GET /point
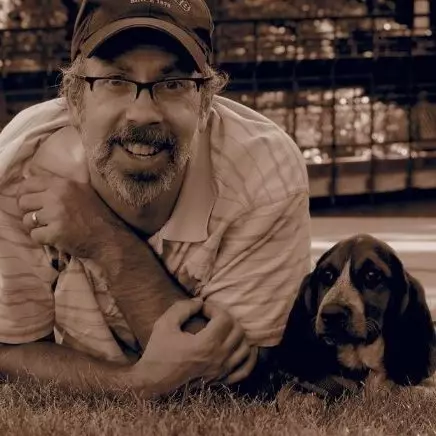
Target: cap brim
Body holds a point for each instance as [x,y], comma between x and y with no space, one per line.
[102,35]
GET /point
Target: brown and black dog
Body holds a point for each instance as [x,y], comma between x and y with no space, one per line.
[358,312]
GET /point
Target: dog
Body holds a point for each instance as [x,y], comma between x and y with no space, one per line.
[358,313]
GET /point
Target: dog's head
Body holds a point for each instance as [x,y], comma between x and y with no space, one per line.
[354,285]
[359,292]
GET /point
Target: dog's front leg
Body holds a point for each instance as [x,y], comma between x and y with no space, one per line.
[376,384]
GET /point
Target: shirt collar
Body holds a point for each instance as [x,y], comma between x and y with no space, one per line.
[190,218]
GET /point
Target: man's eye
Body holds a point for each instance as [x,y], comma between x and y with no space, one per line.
[115,83]
[175,85]
[328,277]
[373,278]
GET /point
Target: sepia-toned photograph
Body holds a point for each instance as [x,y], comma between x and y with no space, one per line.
[217,217]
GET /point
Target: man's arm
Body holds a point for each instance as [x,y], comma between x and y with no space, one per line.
[172,358]
[143,289]
[48,362]
[140,283]
[74,219]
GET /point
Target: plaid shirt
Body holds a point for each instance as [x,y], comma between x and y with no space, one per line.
[239,235]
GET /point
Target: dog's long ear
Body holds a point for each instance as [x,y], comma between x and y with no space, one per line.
[301,353]
[410,341]
[300,321]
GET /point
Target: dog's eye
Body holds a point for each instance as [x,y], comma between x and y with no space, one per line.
[328,277]
[373,278]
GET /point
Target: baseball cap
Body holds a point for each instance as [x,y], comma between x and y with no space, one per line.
[188,21]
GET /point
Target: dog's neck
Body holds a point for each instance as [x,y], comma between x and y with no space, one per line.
[362,357]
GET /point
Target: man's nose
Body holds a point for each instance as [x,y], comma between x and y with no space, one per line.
[144,110]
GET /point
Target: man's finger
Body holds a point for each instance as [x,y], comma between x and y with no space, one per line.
[31,202]
[42,235]
[33,184]
[238,357]
[29,223]
[219,326]
[234,339]
[244,370]
[179,313]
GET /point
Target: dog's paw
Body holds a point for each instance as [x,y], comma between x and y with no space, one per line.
[377,385]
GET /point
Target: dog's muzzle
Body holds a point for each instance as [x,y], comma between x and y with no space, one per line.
[335,325]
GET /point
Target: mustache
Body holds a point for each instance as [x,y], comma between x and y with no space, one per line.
[156,137]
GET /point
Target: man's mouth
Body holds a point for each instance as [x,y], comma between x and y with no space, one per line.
[141,150]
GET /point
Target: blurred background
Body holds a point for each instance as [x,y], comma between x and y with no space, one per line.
[352,81]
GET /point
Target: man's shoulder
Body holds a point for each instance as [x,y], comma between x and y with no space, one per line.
[20,139]
[33,116]
[254,155]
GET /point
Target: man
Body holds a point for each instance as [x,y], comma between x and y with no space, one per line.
[160,192]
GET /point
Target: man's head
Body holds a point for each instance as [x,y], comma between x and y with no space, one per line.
[137,90]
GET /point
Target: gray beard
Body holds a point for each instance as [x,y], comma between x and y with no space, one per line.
[137,190]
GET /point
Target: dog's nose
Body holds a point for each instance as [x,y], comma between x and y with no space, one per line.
[334,315]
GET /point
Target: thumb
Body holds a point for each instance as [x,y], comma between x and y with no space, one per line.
[181,311]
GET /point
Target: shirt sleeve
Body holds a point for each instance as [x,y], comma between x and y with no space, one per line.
[26,273]
[263,258]
[20,138]
[26,277]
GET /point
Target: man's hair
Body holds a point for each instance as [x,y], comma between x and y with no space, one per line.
[72,87]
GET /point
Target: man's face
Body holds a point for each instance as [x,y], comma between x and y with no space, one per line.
[139,147]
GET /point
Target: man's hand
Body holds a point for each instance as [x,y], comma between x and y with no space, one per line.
[71,216]
[174,357]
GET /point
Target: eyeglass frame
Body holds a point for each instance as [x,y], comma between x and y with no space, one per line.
[140,86]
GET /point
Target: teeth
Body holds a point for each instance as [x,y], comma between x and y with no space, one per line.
[141,150]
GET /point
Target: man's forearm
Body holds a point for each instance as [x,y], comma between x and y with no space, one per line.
[51,363]
[140,284]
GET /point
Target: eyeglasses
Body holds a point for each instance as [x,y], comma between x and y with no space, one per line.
[161,91]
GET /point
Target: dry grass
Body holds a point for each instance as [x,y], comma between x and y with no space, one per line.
[31,410]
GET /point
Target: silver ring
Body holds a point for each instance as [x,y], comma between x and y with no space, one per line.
[35,219]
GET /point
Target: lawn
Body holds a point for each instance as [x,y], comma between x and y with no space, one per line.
[32,410]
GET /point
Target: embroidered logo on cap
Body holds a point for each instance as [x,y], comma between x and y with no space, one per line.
[154,2]
[184,4]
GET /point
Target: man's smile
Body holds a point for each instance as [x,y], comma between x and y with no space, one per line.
[145,156]
[141,150]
